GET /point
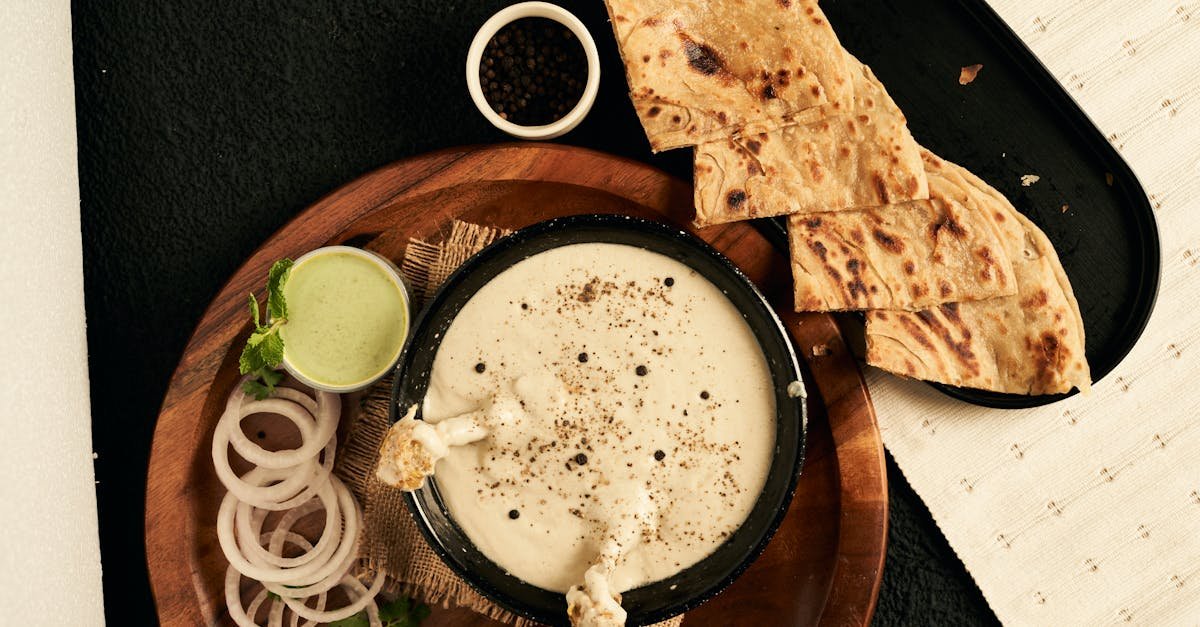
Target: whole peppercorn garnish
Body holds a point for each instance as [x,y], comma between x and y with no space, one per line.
[669,281]
[514,514]
[640,371]
[581,459]
[533,71]
[583,357]
[480,367]
[659,455]
[704,395]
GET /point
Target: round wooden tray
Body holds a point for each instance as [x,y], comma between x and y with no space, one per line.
[823,565]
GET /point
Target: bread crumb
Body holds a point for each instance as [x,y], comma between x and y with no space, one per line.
[1065,207]
[820,350]
[1029,179]
[968,73]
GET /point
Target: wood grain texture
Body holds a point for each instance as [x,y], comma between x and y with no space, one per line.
[822,567]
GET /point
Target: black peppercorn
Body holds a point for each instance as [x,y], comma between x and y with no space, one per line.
[641,371]
[514,514]
[659,455]
[479,367]
[533,71]
[581,459]
[704,395]
[583,357]
[669,281]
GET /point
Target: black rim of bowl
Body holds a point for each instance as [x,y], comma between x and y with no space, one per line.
[692,586]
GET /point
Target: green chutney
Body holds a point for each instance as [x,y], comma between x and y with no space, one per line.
[347,319]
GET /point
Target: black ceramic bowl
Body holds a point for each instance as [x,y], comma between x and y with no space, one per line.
[689,588]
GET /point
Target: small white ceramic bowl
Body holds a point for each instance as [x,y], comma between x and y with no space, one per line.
[393,273]
[512,14]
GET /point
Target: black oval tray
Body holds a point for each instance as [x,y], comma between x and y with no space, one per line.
[1016,119]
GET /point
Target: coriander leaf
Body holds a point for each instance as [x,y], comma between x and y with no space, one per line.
[258,390]
[276,279]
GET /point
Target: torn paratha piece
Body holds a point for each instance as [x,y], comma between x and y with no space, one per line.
[907,256]
[1029,343]
[700,71]
[861,157]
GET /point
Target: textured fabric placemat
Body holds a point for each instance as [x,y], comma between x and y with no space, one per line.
[1088,511]
[49,521]
[391,540]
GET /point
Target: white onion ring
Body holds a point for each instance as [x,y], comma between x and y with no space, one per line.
[308,582]
[283,531]
[321,586]
[245,516]
[259,456]
[304,545]
[300,481]
[296,396]
[256,495]
[233,551]
[275,618]
[324,416]
[329,409]
[366,599]
[233,599]
[252,609]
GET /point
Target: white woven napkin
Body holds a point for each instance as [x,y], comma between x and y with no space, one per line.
[1088,511]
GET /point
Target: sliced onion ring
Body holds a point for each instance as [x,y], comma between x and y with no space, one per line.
[366,599]
[246,529]
[310,583]
[257,495]
[252,452]
[232,549]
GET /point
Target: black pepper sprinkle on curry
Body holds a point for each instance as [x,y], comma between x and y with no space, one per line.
[533,71]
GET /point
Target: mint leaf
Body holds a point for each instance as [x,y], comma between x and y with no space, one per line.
[254,313]
[264,348]
[251,359]
[276,279]
[271,349]
[271,377]
[258,390]
[261,389]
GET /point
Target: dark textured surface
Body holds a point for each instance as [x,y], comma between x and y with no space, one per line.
[204,126]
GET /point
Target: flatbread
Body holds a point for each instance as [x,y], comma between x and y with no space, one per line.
[861,157]
[1028,343]
[702,70]
[903,256]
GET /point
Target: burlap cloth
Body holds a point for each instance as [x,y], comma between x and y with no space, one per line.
[391,540]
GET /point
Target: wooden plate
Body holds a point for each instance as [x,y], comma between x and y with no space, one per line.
[823,565]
